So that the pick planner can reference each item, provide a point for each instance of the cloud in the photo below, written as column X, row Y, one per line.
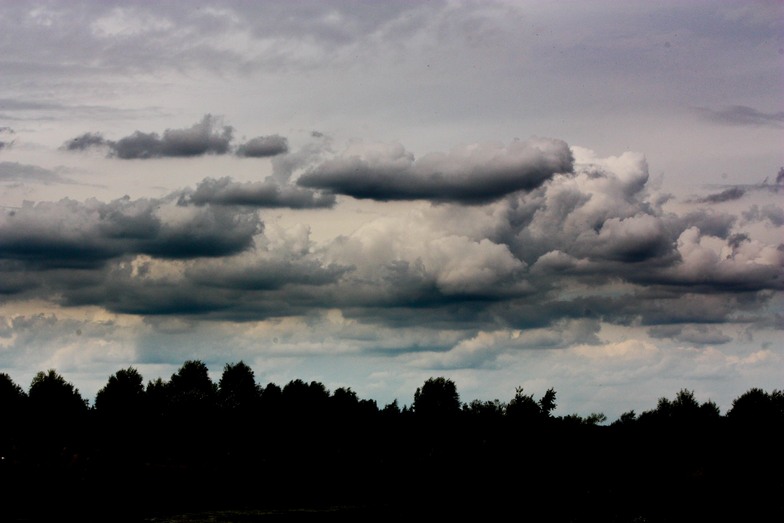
column 86, row 141
column 727, row 195
column 594, row 244
column 693, row 334
column 736, row 192
column 205, row 137
column 68, row 233
column 268, row 194
column 715, row 265
column 308, row 155
column 770, row 212
column 13, row 172
column 208, row 136
column 742, row 115
column 600, row 213
column 4, row 144
column 473, row 174
column 264, row 146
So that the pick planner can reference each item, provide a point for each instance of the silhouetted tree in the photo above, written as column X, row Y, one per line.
column 57, row 419
column 391, row 409
column 53, row 397
column 523, row 406
column 755, row 407
column 12, row 398
column 190, row 390
column 684, row 409
column 437, row 397
column 547, row 402
column 344, row 403
column 271, row 400
column 237, row 389
column 13, row 409
column 595, row 418
column 626, row 419
column 304, row 401
column 157, row 399
column 485, row 409
column 123, row 394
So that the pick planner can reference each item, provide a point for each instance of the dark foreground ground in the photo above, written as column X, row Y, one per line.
column 417, row 472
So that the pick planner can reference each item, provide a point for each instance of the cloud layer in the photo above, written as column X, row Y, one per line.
column 473, row 174
column 207, row 137
column 588, row 239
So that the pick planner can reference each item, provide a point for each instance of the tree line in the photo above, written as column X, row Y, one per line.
column 190, row 442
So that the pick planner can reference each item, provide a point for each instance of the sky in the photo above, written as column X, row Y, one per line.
column 577, row 195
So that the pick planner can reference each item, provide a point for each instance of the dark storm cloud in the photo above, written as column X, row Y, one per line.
column 743, row 115
column 264, row 146
column 469, row 175
column 14, row 172
column 267, row 194
column 69, row 233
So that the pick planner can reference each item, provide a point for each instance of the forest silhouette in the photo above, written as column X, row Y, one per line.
column 190, row 444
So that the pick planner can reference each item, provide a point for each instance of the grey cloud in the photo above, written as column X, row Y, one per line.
column 770, row 212
column 694, row 334
column 737, row 239
column 68, row 233
column 206, row 137
column 589, row 244
column 630, row 240
column 264, row 146
column 595, row 214
column 266, row 274
column 8, row 104
column 718, row 224
column 310, row 154
column 727, row 195
column 743, row 115
column 269, row 194
column 209, row 136
column 475, row 174
column 86, row 141
column 4, row 144
column 14, row 172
